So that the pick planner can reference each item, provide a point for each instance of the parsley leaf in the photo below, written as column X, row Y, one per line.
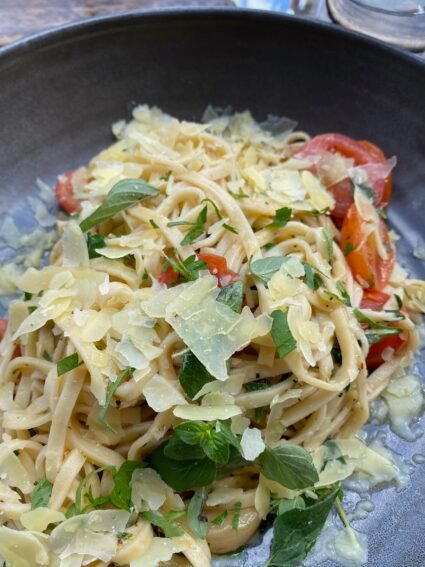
column 167, row 527
column 197, row 522
column 289, row 465
column 95, row 241
column 41, row 494
column 346, row 299
column 236, row 515
column 329, row 245
column 281, row 334
column 232, row 296
column 265, row 268
column 112, row 387
column 281, row 218
column 123, row 195
column 197, row 229
column 121, row 493
column 193, row 375
column 68, row 363
column 312, row 279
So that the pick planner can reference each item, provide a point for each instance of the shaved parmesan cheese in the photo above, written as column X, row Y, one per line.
column 214, row 406
column 404, row 399
column 161, row 549
column 148, row 490
column 211, row 330
column 252, row 444
column 319, row 197
column 351, row 545
column 12, row 471
column 262, row 499
column 92, row 535
column 129, row 355
column 37, row 520
column 40, row 316
column 161, row 394
column 75, row 251
column 22, row 549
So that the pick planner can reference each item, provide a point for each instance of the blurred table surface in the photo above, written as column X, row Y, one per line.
column 20, row 18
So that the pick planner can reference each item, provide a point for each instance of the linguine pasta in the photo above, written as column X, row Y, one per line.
column 197, row 356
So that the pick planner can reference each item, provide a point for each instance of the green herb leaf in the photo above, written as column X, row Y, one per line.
column 232, row 296
column 153, row 223
column 198, row 228
column 371, row 324
column 41, row 494
column 178, row 450
column 166, row 176
column 281, row 218
column 182, row 475
column 47, row 356
column 379, row 334
column 214, row 206
column 193, row 375
column 112, row 388
column 236, row 515
column 213, row 442
column 257, row 385
column 333, row 453
column 265, row 268
column 329, row 245
column 192, row 432
column 289, row 465
column 189, row 269
column 296, row 530
column 281, row 334
column 197, row 522
column 27, row 296
column 68, row 363
column 123, row 195
column 121, row 493
column 348, row 248
column 368, row 192
column 346, row 299
column 230, row 228
column 220, row 518
column 168, row 529
column 312, row 279
column 95, row 241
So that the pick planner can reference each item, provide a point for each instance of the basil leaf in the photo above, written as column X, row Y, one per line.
column 281, row 218
column 68, row 363
column 178, row 450
column 41, row 494
column 121, row 493
column 112, row 387
column 198, row 229
column 289, row 465
column 193, row 375
column 257, row 385
column 95, row 241
column 182, row 475
column 312, row 279
column 265, row 268
column 329, row 245
column 295, row 531
column 168, row 529
column 232, row 296
column 281, row 334
column 197, row 522
column 123, row 195
column 379, row 334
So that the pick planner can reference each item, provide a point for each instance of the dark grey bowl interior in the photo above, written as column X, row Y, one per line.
column 61, row 91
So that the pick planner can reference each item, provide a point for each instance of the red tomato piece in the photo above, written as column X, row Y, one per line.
column 64, row 192
column 362, row 153
column 362, row 256
column 374, row 299
column 3, row 327
column 374, row 357
column 168, row 276
column 217, row 266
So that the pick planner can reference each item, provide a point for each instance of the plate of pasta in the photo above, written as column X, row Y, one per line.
column 209, row 347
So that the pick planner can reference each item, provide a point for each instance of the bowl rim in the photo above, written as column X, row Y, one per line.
column 64, row 33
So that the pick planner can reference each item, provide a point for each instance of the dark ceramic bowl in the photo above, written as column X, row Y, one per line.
column 61, row 91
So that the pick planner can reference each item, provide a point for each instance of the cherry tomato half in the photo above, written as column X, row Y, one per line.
column 362, row 153
column 374, row 356
column 64, row 192
column 217, row 266
column 362, row 255
column 374, row 299
column 3, row 327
